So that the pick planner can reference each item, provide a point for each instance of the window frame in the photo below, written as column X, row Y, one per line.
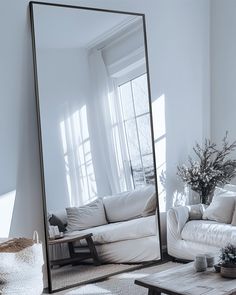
column 118, row 82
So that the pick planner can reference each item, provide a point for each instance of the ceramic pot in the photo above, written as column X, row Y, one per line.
column 228, row 271
column 210, row 259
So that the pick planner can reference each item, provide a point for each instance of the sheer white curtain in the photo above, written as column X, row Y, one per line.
column 106, row 118
column 79, row 170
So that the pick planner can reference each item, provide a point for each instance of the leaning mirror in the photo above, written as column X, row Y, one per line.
column 96, row 142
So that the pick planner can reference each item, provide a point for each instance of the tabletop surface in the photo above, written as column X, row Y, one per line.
column 69, row 238
column 185, row 280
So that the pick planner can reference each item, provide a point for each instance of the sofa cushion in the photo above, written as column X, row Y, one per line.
column 87, row 216
column 222, row 206
column 230, row 187
column 56, row 221
column 129, row 205
column 209, row 232
column 196, row 211
column 222, row 192
column 233, row 222
column 121, row 231
column 150, row 206
column 60, row 214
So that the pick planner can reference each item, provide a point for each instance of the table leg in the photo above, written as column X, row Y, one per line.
column 93, row 251
column 72, row 252
column 71, row 249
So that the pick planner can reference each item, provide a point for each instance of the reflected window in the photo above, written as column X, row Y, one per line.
column 134, row 105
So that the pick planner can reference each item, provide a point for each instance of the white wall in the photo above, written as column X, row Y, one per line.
column 223, row 69
column 178, row 45
column 19, row 158
column 64, row 89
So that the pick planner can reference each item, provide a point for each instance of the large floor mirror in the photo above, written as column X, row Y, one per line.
column 96, row 141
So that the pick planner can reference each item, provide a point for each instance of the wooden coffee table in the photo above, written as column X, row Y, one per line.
column 184, row 280
column 75, row 257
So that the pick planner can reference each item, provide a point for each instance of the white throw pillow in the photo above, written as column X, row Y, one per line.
column 196, row 211
column 222, row 192
column 129, row 205
column 230, row 187
column 221, row 209
column 61, row 215
column 233, row 222
column 150, row 206
column 84, row 217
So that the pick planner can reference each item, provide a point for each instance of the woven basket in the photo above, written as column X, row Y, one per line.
column 21, row 266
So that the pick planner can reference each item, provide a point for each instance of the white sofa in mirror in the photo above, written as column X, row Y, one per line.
column 198, row 229
column 124, row 227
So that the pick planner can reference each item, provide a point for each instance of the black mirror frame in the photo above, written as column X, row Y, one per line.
column 31, row 3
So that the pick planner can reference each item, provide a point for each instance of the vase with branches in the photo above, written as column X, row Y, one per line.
column 212, row 168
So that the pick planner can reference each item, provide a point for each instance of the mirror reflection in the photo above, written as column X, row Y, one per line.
column 97, row 145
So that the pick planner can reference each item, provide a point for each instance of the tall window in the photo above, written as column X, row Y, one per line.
column 135, row 113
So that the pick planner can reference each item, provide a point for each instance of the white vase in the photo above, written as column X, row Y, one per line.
column 191, row 196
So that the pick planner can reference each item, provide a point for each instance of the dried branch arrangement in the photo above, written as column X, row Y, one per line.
column 212, row 168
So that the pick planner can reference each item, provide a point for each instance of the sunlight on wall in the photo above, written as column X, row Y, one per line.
column 6, row 211
column 179, row 199
column 159, row 124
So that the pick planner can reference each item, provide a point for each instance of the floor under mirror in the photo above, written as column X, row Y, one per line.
column 122, row 279
column 81, row 274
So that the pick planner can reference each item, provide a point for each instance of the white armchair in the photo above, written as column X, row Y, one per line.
column 185, row 238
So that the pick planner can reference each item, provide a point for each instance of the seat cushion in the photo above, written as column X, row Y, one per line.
column 121, row 231
column 209, row 232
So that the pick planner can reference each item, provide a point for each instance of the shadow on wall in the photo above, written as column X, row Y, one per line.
column 168, row 196
column 171, row 192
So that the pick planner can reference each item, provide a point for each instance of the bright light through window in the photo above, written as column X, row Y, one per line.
column 134, row 103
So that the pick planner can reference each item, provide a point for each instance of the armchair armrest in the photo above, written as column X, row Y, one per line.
column 176, row 219
column 178, row 216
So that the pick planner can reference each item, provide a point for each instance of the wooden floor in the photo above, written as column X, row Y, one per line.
column 166, row 258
